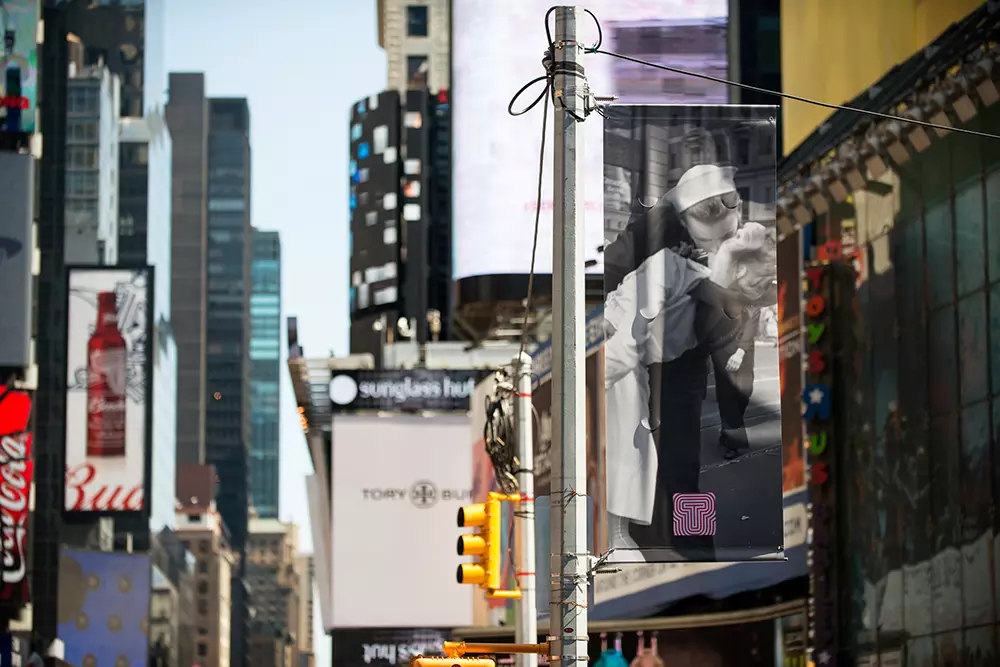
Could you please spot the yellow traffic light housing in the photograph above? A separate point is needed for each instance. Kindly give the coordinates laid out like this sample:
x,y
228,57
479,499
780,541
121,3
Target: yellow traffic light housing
x,y
421,661
484,545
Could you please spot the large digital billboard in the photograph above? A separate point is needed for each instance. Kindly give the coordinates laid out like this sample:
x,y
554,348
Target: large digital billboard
x,y
19,65
103,610
108,389
495,155
397,484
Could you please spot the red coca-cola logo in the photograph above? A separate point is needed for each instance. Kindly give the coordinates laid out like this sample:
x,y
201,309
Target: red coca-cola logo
x,y
15,485
86,494
99,404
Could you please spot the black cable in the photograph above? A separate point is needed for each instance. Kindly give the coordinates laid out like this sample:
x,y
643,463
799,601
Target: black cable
x,y
799,98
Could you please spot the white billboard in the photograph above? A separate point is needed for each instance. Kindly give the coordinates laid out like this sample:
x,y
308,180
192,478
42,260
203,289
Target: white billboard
x,y
496,154
107,389
398,482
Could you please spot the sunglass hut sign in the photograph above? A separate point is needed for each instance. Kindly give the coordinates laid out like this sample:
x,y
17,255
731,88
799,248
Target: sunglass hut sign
x,y
403,390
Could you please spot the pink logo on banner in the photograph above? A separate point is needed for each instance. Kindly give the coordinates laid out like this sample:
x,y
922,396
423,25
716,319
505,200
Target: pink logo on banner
x,y
694,514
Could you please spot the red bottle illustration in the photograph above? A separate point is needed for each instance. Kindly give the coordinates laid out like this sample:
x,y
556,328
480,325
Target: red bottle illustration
x,y
106,382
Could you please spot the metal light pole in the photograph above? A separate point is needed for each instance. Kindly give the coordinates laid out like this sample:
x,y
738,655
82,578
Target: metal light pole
x,y
570,561
526,628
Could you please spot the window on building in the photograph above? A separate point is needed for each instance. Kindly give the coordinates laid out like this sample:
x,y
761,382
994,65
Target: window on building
x,y
203,588
416,21
203,607
203,566
81,184
416,71
202,649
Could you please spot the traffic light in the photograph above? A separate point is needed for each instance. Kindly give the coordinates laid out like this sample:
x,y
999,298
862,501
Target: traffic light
x,y
484,545
421,661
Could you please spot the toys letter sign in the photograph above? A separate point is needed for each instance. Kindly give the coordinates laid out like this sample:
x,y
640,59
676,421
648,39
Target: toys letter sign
x,y
817,415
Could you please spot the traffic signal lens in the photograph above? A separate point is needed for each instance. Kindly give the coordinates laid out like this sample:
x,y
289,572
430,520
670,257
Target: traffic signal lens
x,y
469,573
471,545
472,515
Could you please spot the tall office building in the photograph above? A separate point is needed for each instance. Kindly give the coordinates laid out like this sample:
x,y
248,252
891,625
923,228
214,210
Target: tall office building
x,y
400,206
265,367
128,39
92,171
187,116
227,417
416,36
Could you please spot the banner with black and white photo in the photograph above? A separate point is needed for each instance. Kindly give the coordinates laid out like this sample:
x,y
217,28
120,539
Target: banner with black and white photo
x,y
407,390
693,409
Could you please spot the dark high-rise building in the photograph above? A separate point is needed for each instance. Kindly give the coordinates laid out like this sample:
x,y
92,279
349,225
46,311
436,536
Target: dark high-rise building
x,y
227,361
400,218
265,368
187,116
127,38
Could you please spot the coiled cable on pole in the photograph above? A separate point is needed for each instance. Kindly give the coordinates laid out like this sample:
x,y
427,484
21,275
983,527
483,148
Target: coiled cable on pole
x,y
499,434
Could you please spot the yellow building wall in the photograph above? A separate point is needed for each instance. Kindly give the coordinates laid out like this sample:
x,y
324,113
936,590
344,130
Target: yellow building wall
x,y
831,50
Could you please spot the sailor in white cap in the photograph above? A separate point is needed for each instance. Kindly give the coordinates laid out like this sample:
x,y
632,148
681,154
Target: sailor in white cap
x,y
656,273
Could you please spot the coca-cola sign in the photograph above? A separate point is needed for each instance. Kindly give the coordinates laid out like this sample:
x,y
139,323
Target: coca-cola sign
x,y
107,397
16,474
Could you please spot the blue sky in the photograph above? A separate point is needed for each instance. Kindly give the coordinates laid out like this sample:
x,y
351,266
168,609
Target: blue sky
x,y
301,64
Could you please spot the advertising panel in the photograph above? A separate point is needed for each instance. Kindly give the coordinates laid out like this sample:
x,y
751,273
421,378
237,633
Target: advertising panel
x,y
19,85
397,484
319,522
385,647
693,409
103,614
494,200
17,192
108,392
16,475
403,390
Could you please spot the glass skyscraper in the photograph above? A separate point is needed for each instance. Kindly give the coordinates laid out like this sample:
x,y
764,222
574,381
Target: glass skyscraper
x,y
265,366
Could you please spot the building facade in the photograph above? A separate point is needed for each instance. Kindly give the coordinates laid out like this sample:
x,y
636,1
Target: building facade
x,y
92,171
900,233
146,158
274,578
203,532
265,368
127,39
227,363
187,116
400,249
416,37
305,568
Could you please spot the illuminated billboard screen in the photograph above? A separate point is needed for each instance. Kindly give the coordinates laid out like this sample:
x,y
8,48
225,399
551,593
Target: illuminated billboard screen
x,y
495,155
19,80
103,610
108,389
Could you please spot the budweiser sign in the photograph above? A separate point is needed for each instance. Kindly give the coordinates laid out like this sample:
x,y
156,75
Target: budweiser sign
x,y
85,493
16,470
